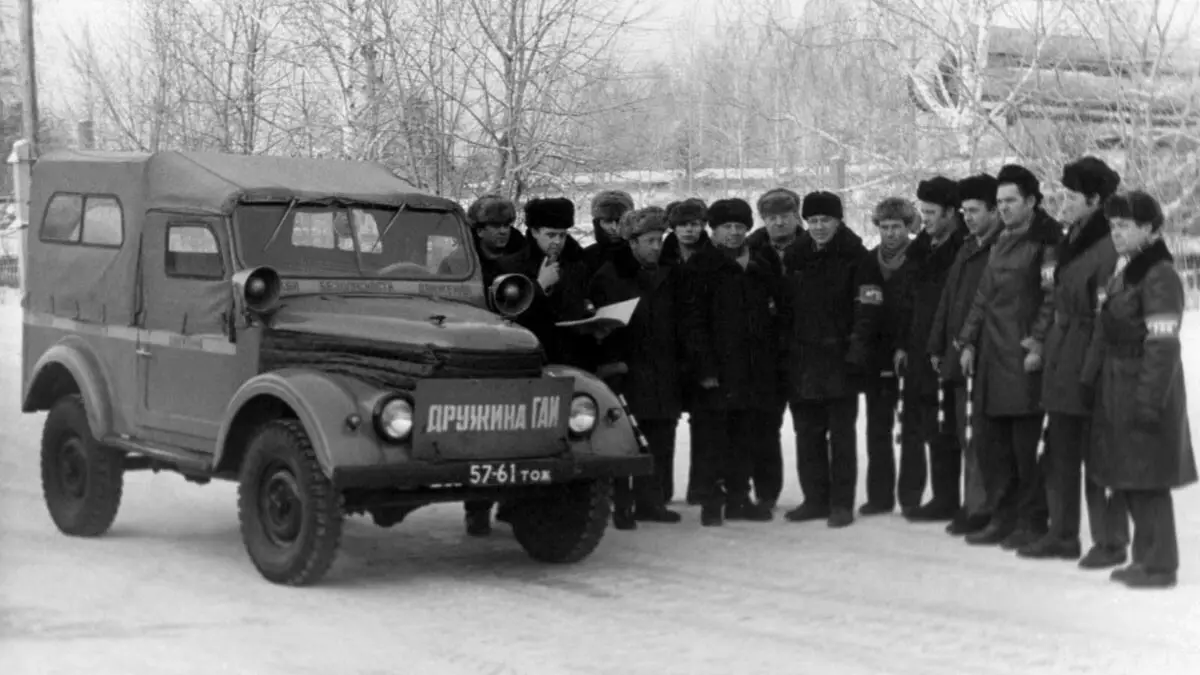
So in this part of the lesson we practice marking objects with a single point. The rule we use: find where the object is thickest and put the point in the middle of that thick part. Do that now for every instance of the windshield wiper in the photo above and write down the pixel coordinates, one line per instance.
(386, 228)
(279, 225)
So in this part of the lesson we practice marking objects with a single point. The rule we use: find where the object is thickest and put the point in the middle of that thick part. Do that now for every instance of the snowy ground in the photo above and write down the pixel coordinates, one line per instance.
(170, 590)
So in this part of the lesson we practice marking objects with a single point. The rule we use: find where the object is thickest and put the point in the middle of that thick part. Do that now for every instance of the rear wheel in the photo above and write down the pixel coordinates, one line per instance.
(81, 479)
(291, 516)
(566, 525)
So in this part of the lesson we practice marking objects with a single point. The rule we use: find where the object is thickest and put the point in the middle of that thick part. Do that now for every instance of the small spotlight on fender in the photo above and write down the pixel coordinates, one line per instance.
(353, 422)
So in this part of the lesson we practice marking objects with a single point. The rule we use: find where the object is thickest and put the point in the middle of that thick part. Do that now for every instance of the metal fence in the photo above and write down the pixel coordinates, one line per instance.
(10, 272)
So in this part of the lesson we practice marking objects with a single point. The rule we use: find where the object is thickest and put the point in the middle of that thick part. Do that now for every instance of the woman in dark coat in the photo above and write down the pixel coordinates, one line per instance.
(1141, 439)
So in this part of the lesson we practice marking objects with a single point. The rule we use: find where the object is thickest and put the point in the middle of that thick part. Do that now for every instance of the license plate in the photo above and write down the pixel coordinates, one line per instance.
(507, 473)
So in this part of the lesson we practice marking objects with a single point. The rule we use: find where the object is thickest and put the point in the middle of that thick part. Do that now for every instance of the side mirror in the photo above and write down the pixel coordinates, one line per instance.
(258, 289)
(511, 294)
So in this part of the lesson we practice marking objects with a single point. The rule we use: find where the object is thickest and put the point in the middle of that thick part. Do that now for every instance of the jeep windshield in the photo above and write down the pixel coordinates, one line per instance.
(352, 241)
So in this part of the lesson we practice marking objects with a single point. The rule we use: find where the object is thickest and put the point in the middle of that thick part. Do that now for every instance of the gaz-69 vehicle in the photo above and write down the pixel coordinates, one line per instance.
(316, 330)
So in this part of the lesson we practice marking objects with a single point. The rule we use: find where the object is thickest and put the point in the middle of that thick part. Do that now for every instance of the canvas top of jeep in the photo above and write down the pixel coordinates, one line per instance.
(181, 288)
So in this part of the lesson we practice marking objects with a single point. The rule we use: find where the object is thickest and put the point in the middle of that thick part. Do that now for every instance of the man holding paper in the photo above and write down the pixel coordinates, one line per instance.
(640, 360)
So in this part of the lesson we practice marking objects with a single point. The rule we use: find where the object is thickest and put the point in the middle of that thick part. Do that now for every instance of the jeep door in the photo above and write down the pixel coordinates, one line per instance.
(188, 367)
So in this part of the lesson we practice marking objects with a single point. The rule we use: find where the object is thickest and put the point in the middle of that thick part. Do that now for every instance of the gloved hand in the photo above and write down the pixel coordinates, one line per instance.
(966, 361)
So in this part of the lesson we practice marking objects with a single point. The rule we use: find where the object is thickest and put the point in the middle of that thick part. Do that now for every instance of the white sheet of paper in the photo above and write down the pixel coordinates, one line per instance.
(618, 313)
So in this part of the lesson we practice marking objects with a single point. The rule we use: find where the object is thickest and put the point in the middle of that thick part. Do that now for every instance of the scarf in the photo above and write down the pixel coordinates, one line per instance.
(890, 262)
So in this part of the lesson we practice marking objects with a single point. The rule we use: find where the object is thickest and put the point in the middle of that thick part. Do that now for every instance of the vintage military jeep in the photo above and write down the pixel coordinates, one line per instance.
(314, 329)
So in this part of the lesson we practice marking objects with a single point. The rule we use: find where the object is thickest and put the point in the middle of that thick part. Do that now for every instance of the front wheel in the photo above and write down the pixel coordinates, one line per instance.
(565, 526)
(291, 516)
(81, 479)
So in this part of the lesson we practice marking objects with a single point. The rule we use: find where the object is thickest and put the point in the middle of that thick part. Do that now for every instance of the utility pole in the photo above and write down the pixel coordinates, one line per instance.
(29, 109)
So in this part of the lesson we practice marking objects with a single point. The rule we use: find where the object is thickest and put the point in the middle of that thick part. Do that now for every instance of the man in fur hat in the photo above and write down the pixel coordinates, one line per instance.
(834, 296)
(932, 253)
(554, 261)
(1007, 326)
(1084, 262)
(893, 218)
(729, 322)
(491, 218)
(641, 360)
(607, 208)
(977, 195)
(779, 209)
(687, 220)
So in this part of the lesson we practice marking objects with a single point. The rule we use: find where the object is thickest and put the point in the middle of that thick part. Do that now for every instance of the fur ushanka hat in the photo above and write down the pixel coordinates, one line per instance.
(980, 187)
(611, 205)
(1090, 176)
(730, 211)
(636, 223)
(556, 213)
(939, 190)
(778, 200)
(491, 210)
(1026, 182)
(686, 211)
(822, 203)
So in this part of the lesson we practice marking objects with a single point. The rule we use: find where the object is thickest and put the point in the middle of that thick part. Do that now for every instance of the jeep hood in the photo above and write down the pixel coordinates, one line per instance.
(403, 320)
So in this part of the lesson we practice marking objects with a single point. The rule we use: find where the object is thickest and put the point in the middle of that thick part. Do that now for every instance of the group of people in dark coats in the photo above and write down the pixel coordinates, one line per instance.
(980, 328)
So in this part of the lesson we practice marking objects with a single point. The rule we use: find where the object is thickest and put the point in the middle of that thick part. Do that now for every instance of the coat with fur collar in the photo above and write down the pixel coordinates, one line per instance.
(1141, 437)
(1010, 316)
(1083, 265)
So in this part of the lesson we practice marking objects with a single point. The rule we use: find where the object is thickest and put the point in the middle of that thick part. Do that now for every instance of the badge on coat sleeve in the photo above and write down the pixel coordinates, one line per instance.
(870, 295)
(1162, 326)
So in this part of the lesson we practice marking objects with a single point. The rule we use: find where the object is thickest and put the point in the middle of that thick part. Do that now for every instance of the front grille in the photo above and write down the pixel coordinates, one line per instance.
(390, 365)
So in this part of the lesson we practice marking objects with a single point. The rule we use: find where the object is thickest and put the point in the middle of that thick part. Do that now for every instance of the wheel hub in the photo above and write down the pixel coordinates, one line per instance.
(72, 469)
(280, 506)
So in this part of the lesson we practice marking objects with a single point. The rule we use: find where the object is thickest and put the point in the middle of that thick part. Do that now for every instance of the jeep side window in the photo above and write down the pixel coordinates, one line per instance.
(87, 219)
(102, 224)
(64, 214)
(192, 252)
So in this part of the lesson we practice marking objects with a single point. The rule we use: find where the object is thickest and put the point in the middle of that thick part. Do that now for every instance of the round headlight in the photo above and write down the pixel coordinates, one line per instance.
(394, 421)
(583, 415)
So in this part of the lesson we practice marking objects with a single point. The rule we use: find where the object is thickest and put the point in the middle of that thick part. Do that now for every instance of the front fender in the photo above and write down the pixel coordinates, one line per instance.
(322, 403)
(73, 355)
(614, 435)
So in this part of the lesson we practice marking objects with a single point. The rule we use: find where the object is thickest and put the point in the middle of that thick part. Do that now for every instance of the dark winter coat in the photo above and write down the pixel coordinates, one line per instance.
(731, 328)
(1081, 269)
(1141, 438)
(650, 345)
(957, 295)
(930, 267)
(601, 251)
(890, 335)
(671, 255)
(834, 299)
(760, 241)
(1010, 316)
(566, 301)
